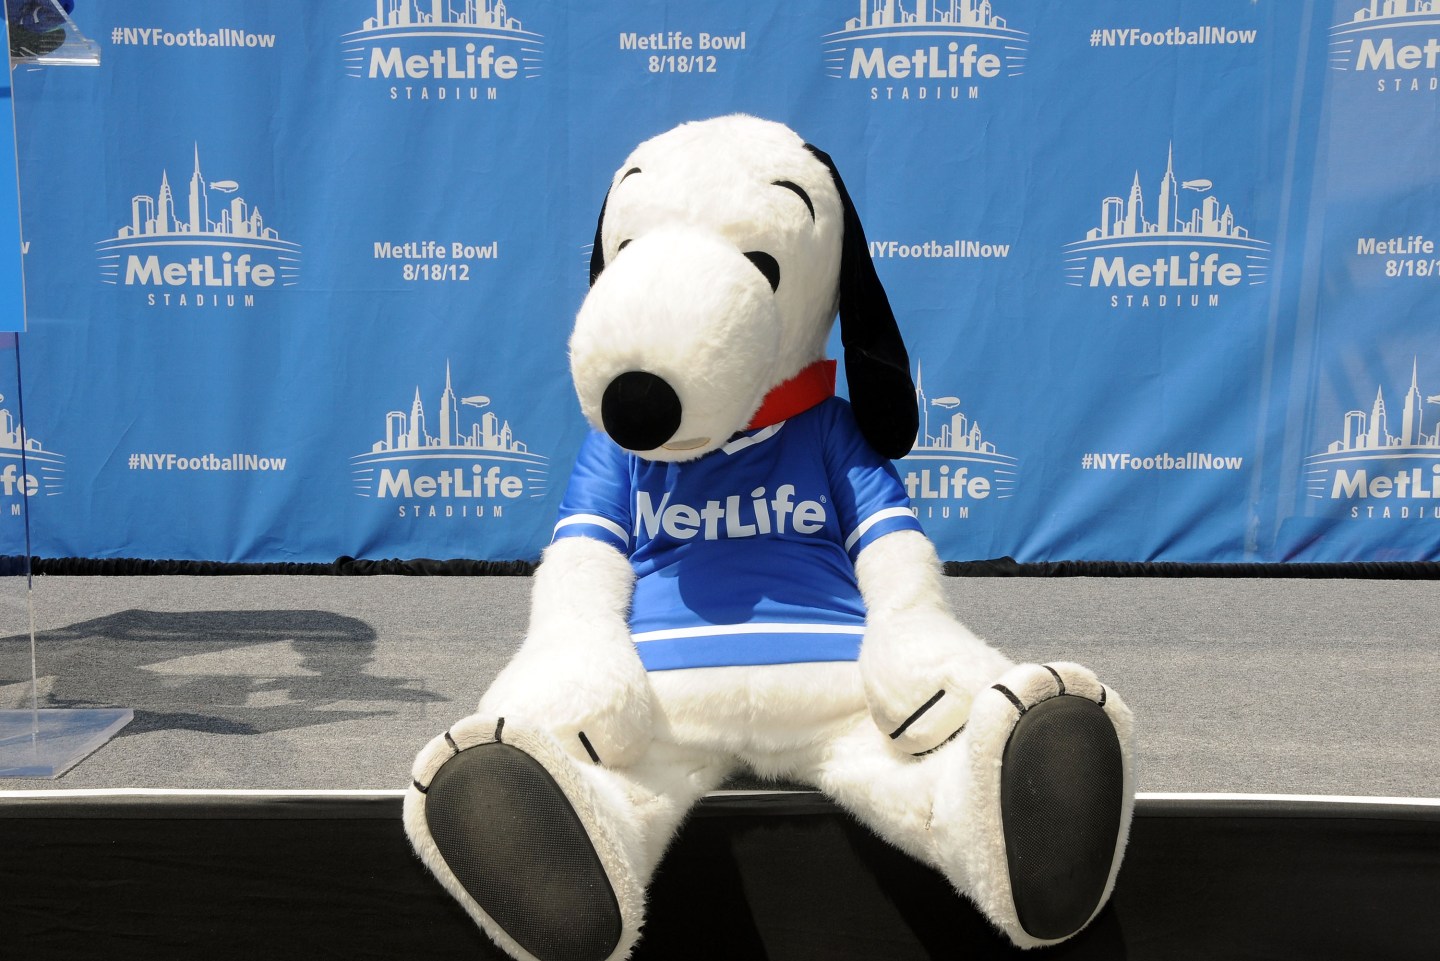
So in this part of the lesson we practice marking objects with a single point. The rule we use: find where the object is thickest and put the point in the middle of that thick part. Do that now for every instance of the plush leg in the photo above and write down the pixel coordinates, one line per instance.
(549, 855)
(1026, 812)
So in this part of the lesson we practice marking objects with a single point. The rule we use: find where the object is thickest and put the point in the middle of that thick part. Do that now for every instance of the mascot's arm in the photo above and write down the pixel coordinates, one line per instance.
(921, 667)
(577, 675)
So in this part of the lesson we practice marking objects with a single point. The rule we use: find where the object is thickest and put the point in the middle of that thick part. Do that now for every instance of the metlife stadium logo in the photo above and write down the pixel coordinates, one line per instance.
(27, 469)
(952, 469)
(211, 249)
(938, 51)
(453, 51)
(1190, 255)
(1383, 465)
(459, 467)
(1391, 46)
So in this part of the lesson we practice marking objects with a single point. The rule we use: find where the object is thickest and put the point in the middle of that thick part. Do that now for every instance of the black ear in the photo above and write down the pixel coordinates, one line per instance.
(876, 364)
(597, 252)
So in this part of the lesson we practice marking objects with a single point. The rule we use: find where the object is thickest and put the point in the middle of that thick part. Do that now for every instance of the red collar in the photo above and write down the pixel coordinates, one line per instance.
(812, 385)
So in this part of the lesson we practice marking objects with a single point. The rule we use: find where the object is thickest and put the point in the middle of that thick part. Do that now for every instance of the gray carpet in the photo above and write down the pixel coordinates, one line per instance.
(1253, 686)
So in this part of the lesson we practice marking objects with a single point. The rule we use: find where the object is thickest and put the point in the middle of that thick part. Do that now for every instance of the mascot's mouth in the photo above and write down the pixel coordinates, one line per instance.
(691, 444)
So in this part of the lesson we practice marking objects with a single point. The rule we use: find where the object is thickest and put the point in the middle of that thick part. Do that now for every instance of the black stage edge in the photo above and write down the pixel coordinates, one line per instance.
(464, 567)
(752, 877)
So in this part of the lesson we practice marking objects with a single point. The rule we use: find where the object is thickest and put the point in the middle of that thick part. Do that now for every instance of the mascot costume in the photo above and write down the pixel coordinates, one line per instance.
(737, 581)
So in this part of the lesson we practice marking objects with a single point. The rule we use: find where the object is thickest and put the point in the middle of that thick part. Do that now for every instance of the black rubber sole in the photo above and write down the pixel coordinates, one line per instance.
(1061, 796)
(518, 848)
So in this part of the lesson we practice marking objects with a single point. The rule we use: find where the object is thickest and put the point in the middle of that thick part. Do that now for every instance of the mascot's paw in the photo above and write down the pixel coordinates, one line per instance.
(501, 818)
(922, 672)
(594, 702)
(1048, 803)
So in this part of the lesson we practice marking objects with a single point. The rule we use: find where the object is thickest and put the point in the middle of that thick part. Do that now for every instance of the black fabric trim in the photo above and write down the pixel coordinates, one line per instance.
(748, 877)
(386, 806)
(1009, 567)
(799, 192)
(499, 729)
(1011, 695)
(467, 567)
(451, 741)
(342, 567)
(926, 753)
(420, 787)
(588, 749)
(905, 724)
(1060, 680)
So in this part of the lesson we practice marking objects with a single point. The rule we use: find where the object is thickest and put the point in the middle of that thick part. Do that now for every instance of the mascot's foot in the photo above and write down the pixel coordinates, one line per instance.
(1058, 804)
(497, 828)
(1061, 796)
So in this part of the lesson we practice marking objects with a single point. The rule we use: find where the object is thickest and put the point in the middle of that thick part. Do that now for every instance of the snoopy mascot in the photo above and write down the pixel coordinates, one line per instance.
(737, 582)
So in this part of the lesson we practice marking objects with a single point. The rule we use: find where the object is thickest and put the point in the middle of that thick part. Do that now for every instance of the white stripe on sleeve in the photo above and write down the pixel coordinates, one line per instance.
(874, 519)
(598, 521)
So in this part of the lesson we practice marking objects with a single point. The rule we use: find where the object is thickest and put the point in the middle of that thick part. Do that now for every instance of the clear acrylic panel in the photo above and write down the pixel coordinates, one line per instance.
(41, 31)
(35, 741)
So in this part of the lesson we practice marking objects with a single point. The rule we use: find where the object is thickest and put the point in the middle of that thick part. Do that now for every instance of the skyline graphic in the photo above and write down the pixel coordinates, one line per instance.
(467, 457)
(17, 446)
(943, 39)
(1190, 237)
(1363, 431)
(459, 42)
(1126, 217)
(160, 216)
(401, 14)
(925, 13)
(955, 433)
(406, 431)
(1394, 10)
(950, 451)
(1368, 25)
(1380, 454)
(232, 250)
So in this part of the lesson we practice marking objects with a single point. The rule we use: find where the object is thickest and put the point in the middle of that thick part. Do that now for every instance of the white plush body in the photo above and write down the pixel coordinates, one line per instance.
(681, 300)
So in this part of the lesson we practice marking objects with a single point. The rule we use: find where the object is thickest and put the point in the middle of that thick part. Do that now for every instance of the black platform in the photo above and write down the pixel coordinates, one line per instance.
(752, 877)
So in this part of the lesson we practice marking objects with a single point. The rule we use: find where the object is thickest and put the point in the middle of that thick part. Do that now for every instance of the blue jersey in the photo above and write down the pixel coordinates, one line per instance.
(746, 555)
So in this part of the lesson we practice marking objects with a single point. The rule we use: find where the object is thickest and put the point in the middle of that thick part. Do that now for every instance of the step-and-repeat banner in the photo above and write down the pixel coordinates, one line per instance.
(300, 275)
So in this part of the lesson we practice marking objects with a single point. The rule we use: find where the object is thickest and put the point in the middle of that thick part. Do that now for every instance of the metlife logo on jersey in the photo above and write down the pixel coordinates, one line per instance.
(1193, 253)
(1389, 46)
(212, 250)
(1381, 465)
(938, 51)
(460, 467)
(456, 51)
(952, 470)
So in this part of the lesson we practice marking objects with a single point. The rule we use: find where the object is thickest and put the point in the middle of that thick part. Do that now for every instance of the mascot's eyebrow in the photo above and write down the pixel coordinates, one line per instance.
(790, 185)
(632, 170)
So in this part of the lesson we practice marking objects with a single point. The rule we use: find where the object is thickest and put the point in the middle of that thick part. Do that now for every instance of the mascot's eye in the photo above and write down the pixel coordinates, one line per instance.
(799, 192)
(767, 265)
(623, 245)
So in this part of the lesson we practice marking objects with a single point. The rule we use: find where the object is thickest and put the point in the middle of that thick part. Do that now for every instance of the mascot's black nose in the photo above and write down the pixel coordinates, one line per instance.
(640, 411)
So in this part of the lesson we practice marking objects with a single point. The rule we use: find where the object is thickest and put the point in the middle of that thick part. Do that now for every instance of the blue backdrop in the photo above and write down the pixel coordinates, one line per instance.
(300, 276)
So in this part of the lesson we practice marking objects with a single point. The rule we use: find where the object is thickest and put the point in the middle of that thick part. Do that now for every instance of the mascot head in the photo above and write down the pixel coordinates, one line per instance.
(723, 251)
